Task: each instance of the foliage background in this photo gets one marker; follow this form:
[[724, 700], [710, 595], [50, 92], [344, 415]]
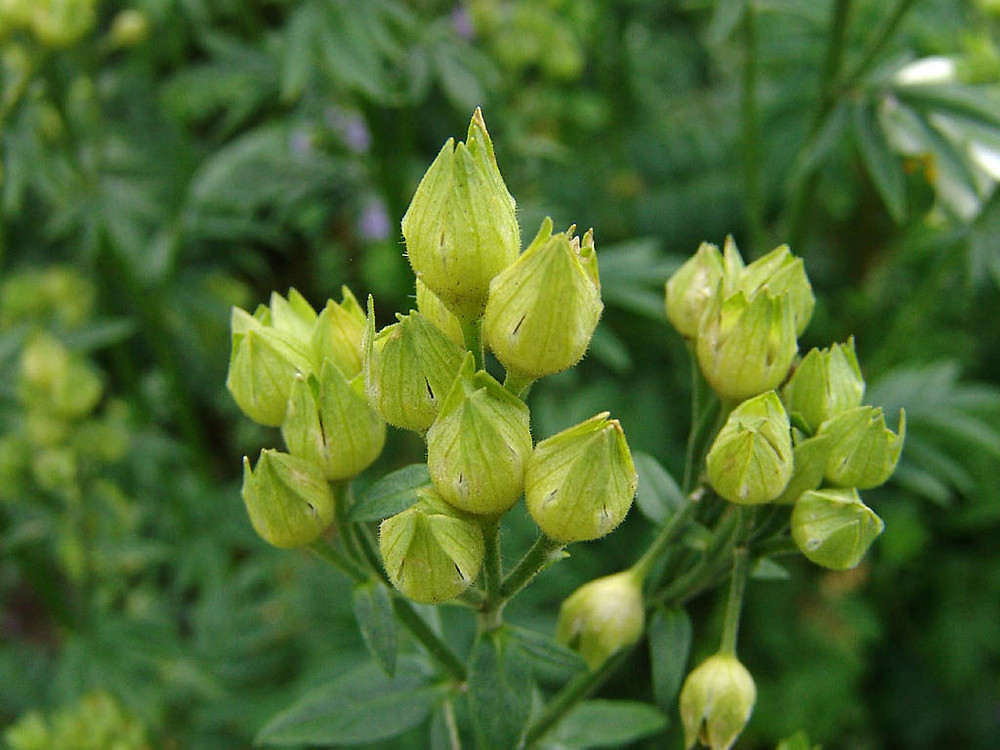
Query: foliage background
[[239, 147]]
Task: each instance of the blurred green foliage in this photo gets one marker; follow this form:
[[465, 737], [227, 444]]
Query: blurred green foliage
[[166, 159]]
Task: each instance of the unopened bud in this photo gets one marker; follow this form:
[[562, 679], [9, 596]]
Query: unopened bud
[[751, 461], [780, 272], [432, 308], [432, 552], [288, 499], [580, 482], [293, 317], [833, 528], [746, 345], [602, 617], [863, 451], [409, 368], [809, 459], [543, 309], [337, 334], [826, 383], [61, 384], [716, 702], [691, 288], [460, 228], [479, 445], [129, 28]]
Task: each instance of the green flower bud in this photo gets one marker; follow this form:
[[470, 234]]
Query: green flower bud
[[293, 317], [833, 528], [263, 365], [602, 617], [691, 288], [337, 334], [329, 423], [59, 383], [409, 367], [746, 345], [129, 28], [460, 228], [479, 445], [580, 482], [863, 451], [809, 458], [779, 272], [826, 383], [432, 308], [543, 309], [716, 702], [751, 460], [432, 552], [288, 499]]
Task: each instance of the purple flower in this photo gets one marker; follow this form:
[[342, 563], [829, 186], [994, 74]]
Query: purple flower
[[374, 224], [351, 128], [461, 23]]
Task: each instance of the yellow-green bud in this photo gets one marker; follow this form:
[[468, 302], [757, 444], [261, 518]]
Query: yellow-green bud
[[691, 288], [61, 384], [863, 451], [432, 308], [460, 228], [746, 345], [543, 309], [292, 318], [809, 458], [330, 423], [716, 702], [826, 383], [129, 28], [60, 23], [602, 617], [337, 334], [263, 365], [751, 460], [779, 272], [479, 445], [432, 552], [833, 528], [409, 368], [288, 499], [581, 481]]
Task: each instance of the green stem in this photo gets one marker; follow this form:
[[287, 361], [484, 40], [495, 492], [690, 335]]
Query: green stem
[[698, 578], [490, 618], [431, 641], [543, 553], [734, 604], [472, 333], [345, 528], [339, 560], [751, 131], [668, 534], [775, 547], [702, 416], [454, 739]]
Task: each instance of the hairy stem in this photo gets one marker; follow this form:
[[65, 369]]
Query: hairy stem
[[734, 604], [490, 617], [472, 333], [543, 553], [671, 530]]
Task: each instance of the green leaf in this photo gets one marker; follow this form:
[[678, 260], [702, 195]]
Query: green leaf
[[391, 494], [605, 723], [725, 19], [373, 610], [984, 259], [499, 690], [658, 495], [99, 335], [669, 646], [980, 103], [882, 165], [546, 649], [361, 706], [767, 569]]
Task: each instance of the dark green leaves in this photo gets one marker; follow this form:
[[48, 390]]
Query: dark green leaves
[[658, 495], [499, 691], [604, 723], [669, 645], [391, 494], [373, 610], [362, 706], [883, 166]]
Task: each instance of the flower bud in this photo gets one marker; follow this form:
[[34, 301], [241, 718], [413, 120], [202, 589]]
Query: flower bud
[[691, 287], [863, 451], [809, 459], [432, 552], [288, 499], [129, 28], [432, 308], [580, 482], [409, 368], [460, 228], [63, 385], [329, 423], [746, 345], [543, 309], [602, 617], [751, 460], [716, 702], [337, 334], [263, 365], [292, 318], [479, 445], [833, 528], [779, 272], [826, 383]]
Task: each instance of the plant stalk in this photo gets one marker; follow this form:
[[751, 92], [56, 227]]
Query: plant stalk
[[431, 641], [734, 603], [472, 333], [542, 554]]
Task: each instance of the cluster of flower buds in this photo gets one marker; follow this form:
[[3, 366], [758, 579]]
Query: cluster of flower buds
[[301, 371], [788, 435]]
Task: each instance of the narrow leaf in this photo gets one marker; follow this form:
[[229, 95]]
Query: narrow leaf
[[658, 495], [605, 723], [391, 494], [499, 690], [767, 569], [373, 610], [882, 165], [546, 649], [669, 646]]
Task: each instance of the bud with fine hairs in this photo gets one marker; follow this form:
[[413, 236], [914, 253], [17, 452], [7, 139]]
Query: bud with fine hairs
[[602, 617], [716, 702], [825, 383], [863, 451], [833, 528]]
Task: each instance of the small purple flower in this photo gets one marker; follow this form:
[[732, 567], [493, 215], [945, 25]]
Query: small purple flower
[[300, 142], [461, 23], [374, 224], [351, 128]]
